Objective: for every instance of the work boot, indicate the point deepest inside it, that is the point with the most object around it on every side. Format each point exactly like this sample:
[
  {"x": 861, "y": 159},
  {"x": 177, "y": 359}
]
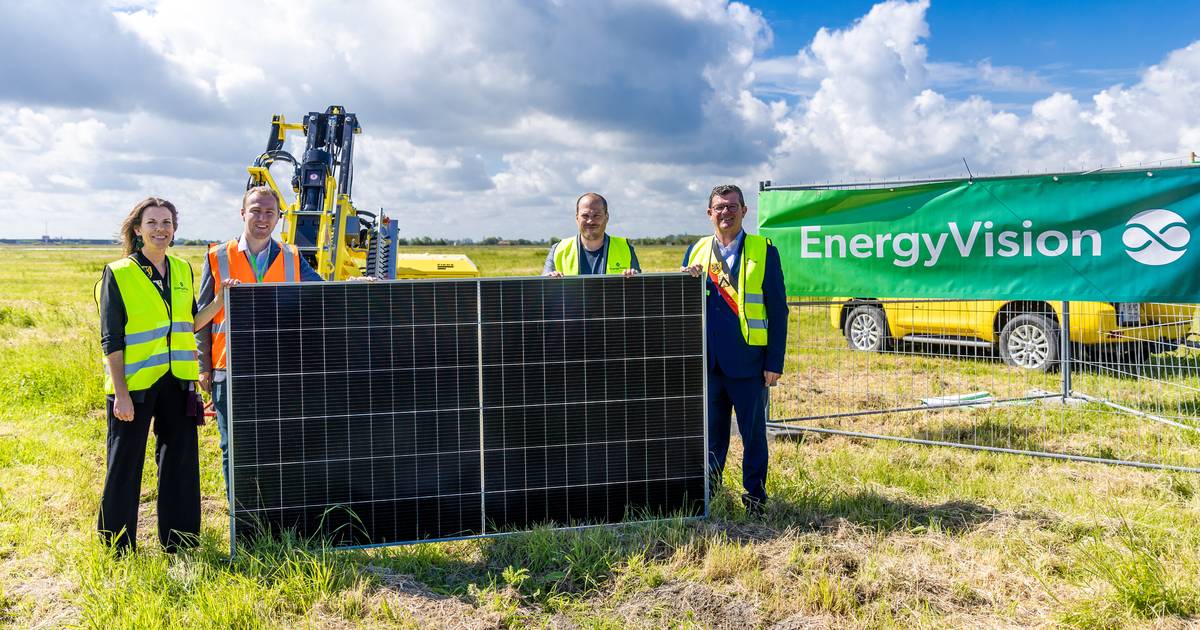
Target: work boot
[{"x": 755, "y": 508}]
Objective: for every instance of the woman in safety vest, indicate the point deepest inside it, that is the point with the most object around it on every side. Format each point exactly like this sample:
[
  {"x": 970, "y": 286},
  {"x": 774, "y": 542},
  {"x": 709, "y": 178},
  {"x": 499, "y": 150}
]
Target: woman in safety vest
[{"x": 147, "y": 313}]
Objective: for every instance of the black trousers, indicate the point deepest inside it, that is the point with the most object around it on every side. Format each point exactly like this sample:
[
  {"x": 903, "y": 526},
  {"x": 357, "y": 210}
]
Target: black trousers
[{"x": 177, "y": 456}]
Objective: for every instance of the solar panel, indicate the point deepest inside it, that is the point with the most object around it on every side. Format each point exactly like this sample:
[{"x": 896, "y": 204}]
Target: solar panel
[{"x": 392, "y": 412}]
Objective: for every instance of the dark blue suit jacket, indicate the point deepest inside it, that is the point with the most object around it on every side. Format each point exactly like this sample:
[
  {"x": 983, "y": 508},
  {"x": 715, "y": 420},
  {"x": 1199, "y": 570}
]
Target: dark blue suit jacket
[{"x": 727, "y": 350}]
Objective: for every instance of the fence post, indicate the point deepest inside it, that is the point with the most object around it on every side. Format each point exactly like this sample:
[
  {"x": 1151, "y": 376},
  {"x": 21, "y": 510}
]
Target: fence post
[{"x": 1065, "y": 339}]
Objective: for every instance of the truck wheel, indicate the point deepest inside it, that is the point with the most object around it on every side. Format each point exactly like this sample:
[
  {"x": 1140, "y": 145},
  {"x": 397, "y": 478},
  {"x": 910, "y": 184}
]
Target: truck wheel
[
  {"x": 866, "y": 329},
  {"x": 1030, "y": 342}
]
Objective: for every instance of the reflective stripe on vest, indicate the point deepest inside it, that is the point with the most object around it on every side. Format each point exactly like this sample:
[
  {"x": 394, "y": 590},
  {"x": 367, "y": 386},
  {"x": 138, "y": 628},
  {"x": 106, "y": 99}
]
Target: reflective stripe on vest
[
  {"x": 225, "y": 261},
  {"x": 154, "y": 361},
  {"x": 155, "y": 341},
  {"x": 222, "y": 255},
  {"x": 618, "y": 258},
  {"x": 752, "y": 312},
  {"x": 291, "y": 266},
  {"x": 151, "y": 335}
]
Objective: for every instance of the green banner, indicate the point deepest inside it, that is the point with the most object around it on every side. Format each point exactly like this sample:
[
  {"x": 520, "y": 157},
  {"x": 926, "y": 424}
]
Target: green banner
[{"x": 1110, "y": 237}]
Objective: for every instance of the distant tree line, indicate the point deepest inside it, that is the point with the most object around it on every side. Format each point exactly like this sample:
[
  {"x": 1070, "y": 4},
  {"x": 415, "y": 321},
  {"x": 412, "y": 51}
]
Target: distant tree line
[
  {"x": 416, "y": 241},
  {"x": 670, "y": 239},
  {"x": 425, "y": 241}
]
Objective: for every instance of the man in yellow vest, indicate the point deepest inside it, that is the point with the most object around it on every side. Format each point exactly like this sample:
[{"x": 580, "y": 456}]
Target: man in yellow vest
[
  {"x": 592, "y": 251},
  {"x": 252, "y": 257},
  {"x": 746, "y": 327}
]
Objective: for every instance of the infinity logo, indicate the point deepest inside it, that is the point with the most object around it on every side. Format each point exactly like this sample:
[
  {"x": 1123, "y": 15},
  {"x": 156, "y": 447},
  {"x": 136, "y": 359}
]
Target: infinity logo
[{"x": 1156, "y": 237}]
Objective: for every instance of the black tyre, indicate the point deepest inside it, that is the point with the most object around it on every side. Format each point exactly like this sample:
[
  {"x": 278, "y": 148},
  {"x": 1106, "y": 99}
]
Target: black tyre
[
  {"x": 866, "y": 329},
  {"x": 1030, "y": 342}
]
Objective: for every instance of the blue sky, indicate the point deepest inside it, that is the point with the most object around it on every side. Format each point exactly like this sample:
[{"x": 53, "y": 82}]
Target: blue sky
[
  {"x": 1076, "y": 47},
  {"x": 1075, "y": 37},
  {"x": 489, "y": 118}
]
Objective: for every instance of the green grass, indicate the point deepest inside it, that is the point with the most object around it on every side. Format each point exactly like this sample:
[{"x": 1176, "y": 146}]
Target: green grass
[{"x": 859, "y": 534}]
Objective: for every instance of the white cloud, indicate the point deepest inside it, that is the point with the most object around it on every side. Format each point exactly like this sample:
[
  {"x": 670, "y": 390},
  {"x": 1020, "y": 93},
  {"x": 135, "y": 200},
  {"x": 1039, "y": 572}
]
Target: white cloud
[
  {"x": 1156, "y": 116},
  {"x": 877, "y": 112},
  {"x": 982, "y": 77},
  {"x": 1009, "y": 78},
  {"x": 489, "y": 118},
  {"x": 466, "y": 107}
]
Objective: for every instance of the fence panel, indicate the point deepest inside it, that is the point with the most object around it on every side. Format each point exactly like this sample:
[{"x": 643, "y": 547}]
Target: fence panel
[{"x": 1124, "y": 386}]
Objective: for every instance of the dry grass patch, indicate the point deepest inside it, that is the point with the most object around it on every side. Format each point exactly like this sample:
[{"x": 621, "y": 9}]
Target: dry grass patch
[
  {"x": 683, "y": 604},
  {"x": 728, "y": 560}
]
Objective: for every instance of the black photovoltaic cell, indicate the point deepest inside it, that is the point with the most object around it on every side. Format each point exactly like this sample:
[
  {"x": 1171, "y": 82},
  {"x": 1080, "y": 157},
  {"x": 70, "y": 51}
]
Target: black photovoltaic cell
[{"x": 388, "y": 412}]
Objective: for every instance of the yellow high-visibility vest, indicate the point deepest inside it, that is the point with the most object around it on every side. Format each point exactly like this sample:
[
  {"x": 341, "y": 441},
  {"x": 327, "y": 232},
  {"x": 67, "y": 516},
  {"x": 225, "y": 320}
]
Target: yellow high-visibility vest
[
  {"x": 155, "y": 340},
  {"x": 752, "y": 312},
  {"x": 566, "y": 256}
]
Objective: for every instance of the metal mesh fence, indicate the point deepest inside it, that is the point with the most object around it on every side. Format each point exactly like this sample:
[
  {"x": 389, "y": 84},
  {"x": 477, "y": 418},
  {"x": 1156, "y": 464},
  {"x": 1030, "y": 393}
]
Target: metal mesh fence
[{"x": 1122, "y": 386}]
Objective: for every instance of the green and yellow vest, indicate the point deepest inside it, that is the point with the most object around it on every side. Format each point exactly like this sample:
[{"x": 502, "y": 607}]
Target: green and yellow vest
[
  {"x": 752, "y": 312},
  {"x": 566, "y": 256},
  {"x": 156, "y": 340}
]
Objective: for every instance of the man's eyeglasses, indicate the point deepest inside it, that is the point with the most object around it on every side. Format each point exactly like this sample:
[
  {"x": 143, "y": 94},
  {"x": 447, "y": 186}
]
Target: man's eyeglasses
[{"x": 732, "y": 207}]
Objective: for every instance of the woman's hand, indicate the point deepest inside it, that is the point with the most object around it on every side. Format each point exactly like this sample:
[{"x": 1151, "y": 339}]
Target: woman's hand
[
  {"x": 122, "y": 403},
  {"x": 123, "y": 407},
  {"x": 206, "y": 314}
]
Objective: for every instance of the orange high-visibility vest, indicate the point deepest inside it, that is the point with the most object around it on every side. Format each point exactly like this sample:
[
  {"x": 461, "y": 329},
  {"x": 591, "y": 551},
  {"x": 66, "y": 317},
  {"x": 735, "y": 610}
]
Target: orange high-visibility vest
[{"x": 225, "y": 261}]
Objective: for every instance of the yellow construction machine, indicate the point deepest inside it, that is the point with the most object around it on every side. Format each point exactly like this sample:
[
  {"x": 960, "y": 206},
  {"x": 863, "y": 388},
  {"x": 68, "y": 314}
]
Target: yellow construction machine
[{"x": 339, "y": 240}]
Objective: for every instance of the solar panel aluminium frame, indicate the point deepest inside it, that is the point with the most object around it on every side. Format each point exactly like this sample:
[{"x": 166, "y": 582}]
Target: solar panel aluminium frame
[{"x": 479, "y": 341}]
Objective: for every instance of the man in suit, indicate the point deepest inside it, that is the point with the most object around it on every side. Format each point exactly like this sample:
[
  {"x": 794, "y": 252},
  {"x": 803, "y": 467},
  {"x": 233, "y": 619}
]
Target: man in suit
[{"x": 747, "y": 317}]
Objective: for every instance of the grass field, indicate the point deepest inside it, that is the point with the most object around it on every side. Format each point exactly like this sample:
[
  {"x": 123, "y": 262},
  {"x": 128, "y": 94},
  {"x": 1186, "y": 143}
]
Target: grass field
[{"x": 858, "y": 534}]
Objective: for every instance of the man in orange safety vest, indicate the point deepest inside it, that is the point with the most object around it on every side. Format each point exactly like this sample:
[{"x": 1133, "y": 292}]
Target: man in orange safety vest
[{"x": 252, "y": 257}]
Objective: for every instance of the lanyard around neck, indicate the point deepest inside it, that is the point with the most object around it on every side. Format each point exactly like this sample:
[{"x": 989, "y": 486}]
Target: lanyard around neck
[{"x": 258, "y": 272}]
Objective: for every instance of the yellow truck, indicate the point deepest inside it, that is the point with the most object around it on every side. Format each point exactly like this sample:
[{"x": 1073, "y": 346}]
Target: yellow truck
[{"x": 1026, "y": 334}]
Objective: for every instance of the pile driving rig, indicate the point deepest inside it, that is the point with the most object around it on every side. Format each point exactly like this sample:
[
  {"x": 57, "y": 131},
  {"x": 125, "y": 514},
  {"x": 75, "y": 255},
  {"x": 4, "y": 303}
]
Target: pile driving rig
[{"x": 338, "y": 240}]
